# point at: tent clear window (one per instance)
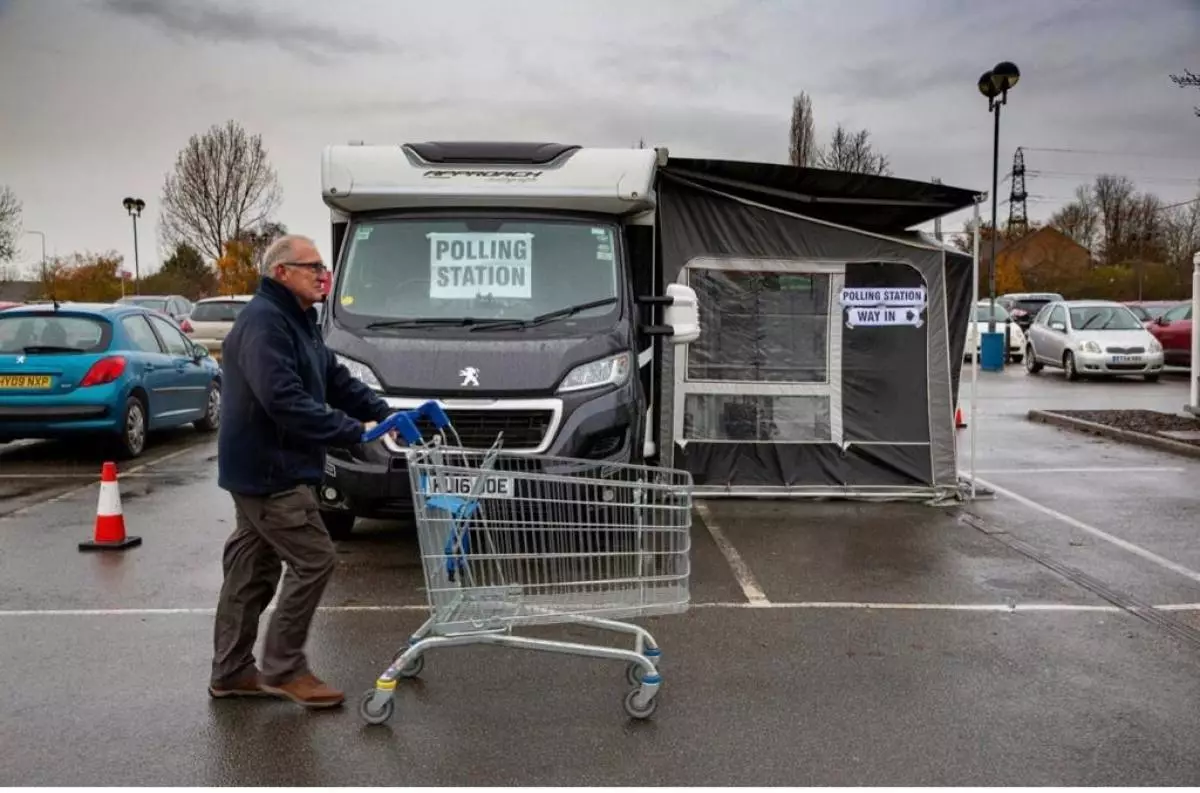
(761, 327)
(756, 417)
(767, 367)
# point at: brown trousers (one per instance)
(270, 530)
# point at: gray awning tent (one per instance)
(832, 334)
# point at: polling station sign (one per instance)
(884, 316)
(883, 306)
(879, 296)
(466, 265)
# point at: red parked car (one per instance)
(1174, 332)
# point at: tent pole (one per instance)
(975, 352)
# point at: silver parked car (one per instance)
(1092, 337)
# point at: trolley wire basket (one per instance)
(510, 540)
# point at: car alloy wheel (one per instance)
(135, 427)
(1069, 366)
(213, 413)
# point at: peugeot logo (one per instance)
(470, 376)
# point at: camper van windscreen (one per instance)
(495, 268)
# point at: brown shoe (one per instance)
(308, 690)
(247, 685)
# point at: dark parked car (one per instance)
(1149, 310)
(1024, 306)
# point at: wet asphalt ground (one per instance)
(1010, 641)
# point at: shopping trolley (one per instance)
(512, 540)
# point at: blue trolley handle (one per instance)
(405, 423)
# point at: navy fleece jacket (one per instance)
(284, 398)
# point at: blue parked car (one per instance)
(112, 370)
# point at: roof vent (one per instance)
(491, 152)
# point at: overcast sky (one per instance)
(98, 96)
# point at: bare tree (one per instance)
(10, 223)
(802, 146)
(1080, 219)
(853, 152)
(1181, 234)
(1114, 196)
(1187, 80)
(222, 185)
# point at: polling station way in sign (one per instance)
(874, 306)
(464, 265)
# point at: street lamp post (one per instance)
(134, 207)
(43, 236)
(1194, 402)
(995, 85)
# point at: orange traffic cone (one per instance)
(110, 521)
(959, 421)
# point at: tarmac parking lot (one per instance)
(1047, 636)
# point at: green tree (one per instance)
(183, 273)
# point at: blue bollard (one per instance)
(991, 351)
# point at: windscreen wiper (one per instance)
(48, 348)
(424, 322)
(549, 316)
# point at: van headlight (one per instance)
(613, 370)
(360, 371)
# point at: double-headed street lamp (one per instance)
(995, 85)
(134, 207)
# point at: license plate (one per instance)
(24, 381)
(1127, 359)
(493, 486)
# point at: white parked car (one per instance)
(212, 319)
(1091, 338)
(1004, 324)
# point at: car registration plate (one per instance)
(24, 381)
(493, 486)
(1127, 359)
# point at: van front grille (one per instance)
(522, 429)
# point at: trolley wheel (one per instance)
(634, 673)
(413, 668)
(644, 712)
(375, 716)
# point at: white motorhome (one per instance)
(516, 283)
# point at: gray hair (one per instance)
(280, 251)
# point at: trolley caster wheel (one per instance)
(634, 674)
(643, 712)
(413, 668)
(372, 715)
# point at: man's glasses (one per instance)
(316, 267)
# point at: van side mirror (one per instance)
(681, 314)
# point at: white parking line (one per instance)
(1126, 545)
(95, 480)
(1151, 469)
(81, 475)
(741, 571)
(816, 605)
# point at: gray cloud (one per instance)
(247, 26)
(702, 77)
